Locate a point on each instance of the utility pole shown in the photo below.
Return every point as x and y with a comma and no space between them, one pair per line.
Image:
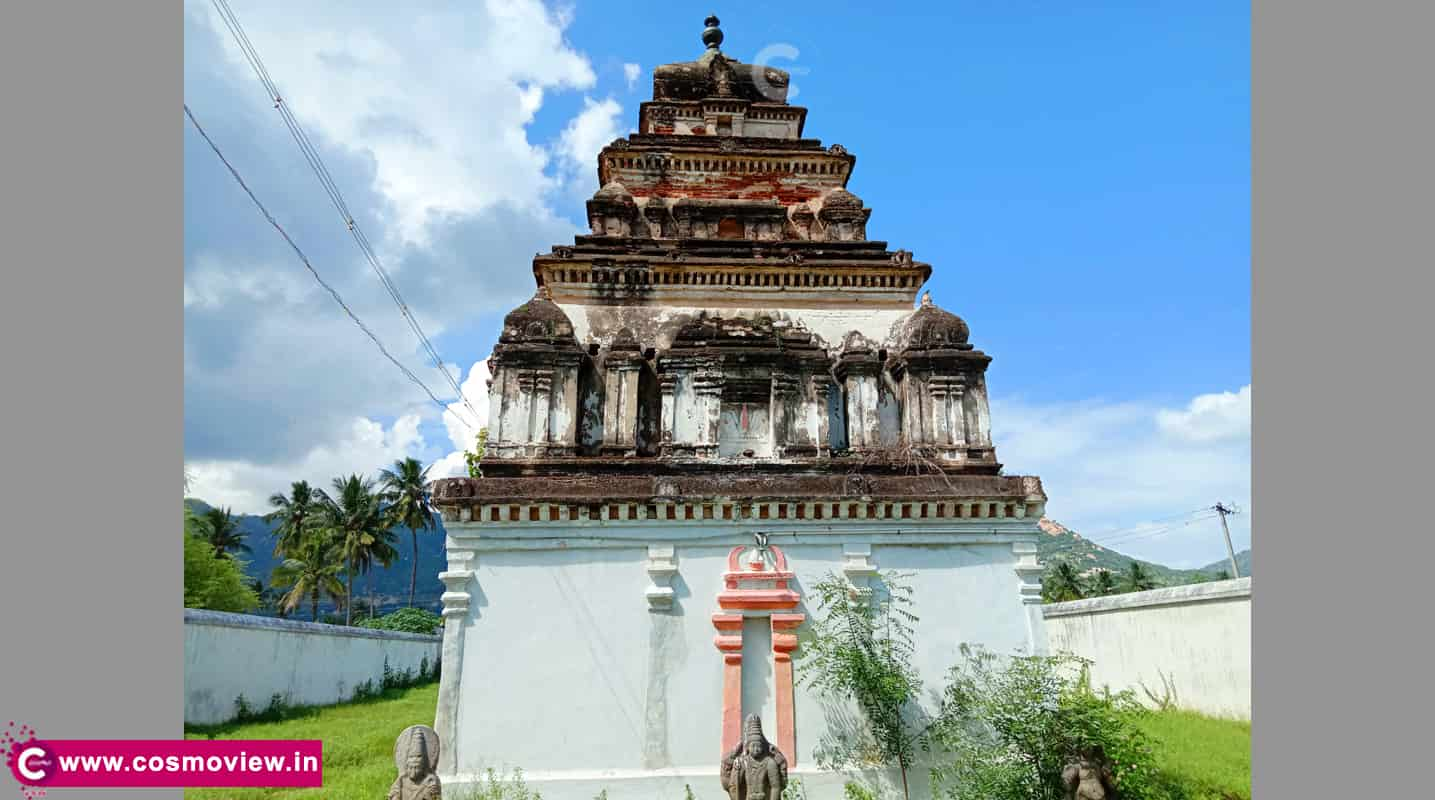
1230,551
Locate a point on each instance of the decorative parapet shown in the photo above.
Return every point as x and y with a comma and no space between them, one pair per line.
662,568
608,495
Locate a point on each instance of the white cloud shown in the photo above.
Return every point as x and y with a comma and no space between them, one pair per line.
439,100
1210,417
423,120
246,486
1111,468
631,73
462,422
586,134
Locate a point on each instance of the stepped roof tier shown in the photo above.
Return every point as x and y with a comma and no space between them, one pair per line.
728,337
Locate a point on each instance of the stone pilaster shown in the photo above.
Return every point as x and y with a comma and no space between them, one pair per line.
1028,571
457,581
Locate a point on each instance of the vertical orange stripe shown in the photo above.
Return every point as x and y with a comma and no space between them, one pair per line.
731,701
786,722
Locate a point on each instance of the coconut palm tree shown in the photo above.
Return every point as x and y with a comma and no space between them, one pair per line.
356,520
221,530
1103,584
1138,579
295,515
1063,584
406,491
311,570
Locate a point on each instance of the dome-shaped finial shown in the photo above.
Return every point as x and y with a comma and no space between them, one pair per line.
712,34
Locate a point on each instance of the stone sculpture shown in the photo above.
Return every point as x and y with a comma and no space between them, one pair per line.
416,757
755,769
1089,777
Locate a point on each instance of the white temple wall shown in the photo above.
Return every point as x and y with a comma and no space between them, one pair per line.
569,675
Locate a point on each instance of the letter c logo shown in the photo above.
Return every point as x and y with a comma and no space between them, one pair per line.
22,763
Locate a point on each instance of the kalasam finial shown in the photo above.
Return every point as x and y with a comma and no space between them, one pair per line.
712,34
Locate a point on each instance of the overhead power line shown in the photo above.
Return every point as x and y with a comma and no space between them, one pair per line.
305,259
336,197
1147,533
1117,534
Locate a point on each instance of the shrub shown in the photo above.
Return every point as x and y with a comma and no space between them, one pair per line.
494,787
1008,726
407,620
852,790
218,584
860,650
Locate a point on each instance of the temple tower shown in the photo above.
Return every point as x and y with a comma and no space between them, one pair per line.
722,393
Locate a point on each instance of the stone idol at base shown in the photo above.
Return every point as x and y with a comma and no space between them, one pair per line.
416,756
754,770
1088,776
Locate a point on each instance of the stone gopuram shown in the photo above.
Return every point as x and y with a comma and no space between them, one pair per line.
723,393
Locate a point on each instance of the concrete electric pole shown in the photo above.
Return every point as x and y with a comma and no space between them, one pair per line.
1230,551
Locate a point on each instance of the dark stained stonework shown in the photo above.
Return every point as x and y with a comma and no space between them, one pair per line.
727,332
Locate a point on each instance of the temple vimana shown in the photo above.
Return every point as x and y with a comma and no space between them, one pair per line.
724,392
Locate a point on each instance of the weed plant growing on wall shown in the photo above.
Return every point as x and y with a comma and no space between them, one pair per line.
1008,726
860,649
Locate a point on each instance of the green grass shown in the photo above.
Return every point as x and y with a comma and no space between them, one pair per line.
1201,758
358,743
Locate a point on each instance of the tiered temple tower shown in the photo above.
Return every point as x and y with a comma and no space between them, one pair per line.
722,393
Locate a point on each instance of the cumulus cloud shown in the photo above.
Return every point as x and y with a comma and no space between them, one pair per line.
462,421
631,73
1210,417
438,99
592,128
1120,471
366,447
423,121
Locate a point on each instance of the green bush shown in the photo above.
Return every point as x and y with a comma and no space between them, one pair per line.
408,620
1008,726
495,787
218,584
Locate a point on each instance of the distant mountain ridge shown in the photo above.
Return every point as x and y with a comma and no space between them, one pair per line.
1243,563
390,586
1063,544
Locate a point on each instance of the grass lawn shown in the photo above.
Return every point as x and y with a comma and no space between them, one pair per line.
1202,758
358,744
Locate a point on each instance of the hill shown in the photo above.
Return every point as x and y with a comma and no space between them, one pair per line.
390,586
1243,563
1063,544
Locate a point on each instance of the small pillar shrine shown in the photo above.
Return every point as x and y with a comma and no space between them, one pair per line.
721,394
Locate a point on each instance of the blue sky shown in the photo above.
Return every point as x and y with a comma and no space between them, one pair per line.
1079,178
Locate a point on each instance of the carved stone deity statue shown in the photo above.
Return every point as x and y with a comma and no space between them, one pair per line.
755,769
1089,777
416,756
